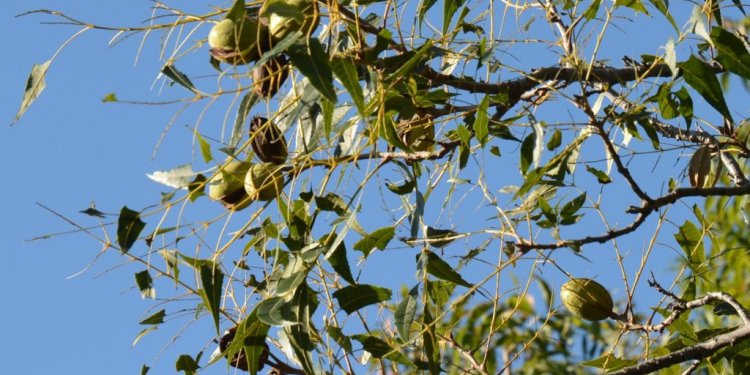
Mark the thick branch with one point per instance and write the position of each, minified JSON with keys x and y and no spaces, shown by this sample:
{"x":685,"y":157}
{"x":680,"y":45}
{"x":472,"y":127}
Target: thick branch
{"x":514,"y":88}
{"x":700,"y":350}
{"x":723,"y":191}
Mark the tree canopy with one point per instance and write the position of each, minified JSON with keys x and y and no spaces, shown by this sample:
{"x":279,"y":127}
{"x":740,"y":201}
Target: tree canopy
{"x":563,"y":181}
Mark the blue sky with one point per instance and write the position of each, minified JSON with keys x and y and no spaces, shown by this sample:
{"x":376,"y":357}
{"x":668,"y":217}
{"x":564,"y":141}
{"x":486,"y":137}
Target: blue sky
{"x":70,"y":149}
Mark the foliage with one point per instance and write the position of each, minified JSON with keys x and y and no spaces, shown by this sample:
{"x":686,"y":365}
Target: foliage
{"x":491,"y":147}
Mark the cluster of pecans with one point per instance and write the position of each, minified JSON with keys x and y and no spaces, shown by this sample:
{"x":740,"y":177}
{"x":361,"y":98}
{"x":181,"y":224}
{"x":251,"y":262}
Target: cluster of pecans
{"x":240,"y":182}
{"x":245,"y":40}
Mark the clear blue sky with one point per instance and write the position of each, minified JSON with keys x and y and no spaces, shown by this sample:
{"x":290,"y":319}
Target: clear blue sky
{"x":71,"y":149}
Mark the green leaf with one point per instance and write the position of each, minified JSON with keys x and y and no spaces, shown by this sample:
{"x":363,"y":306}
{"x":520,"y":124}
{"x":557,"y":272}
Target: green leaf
{"x":91,"y":211}
{"x":35,"y":84}
{"x":547,"y":210}
{"x":405,"y":313}
{"x":205,"y":147}
{"x":690,"y":240}
{"x":636,"y":5}
{"x":280,"y":47}
{"x":449,"y":9}
{"x":424,"y":6}
{"x":702,"y":78}
{"x":144,"y":369}
{"x":178,"y":77}
{"x":442,"y":270}
{"x":379,"y":349}
{"x":275,"y":312}
{"x":109,"y":98}
{"x":300,"y":336}
{"x":406,"y":188}
{"x":377,"y":239}
{"x":311,"y":60}
{"x":686,"y":105}
{"x":555,"y":141}
{"x":593,"y":9}
{"x":346,"y":72}
{"x":481,"y":122}
{"x":294,"y":275}
{"x":196,"y":187}
{"x":609,"y":362}
{"x":187,"y":364}
{"x":733,"y":54}
{"x":355,"y":297}
{"x":600,"y":175}
{"x":572,"y":207}
{"x":340,"y":263}
{"x":406,"y":68}
{"x":331,"y":202}
{"x":212,"y":280}
{"x":129,"y":226}
{"x":429,"y":337}
{"x":237,"y":12}
{"x":145,"y":284}
{"x":440,"y":238}
{"x":439,"y":291}
{"x":338,"y":335}
{"x":247,"y":102}
{"x":156,"y":318}
{"x":250,"y":338}
{"x":527,"y":152}
{"x":661,"y":6}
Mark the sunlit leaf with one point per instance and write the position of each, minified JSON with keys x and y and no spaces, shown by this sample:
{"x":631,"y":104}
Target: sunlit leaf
{"x":204,"y":146}
{"x":109,"y":98}
{"x":178,"y":178}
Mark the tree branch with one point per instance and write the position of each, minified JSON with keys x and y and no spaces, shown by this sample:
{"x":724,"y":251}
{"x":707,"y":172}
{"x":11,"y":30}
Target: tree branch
{"x":697,"y":351}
